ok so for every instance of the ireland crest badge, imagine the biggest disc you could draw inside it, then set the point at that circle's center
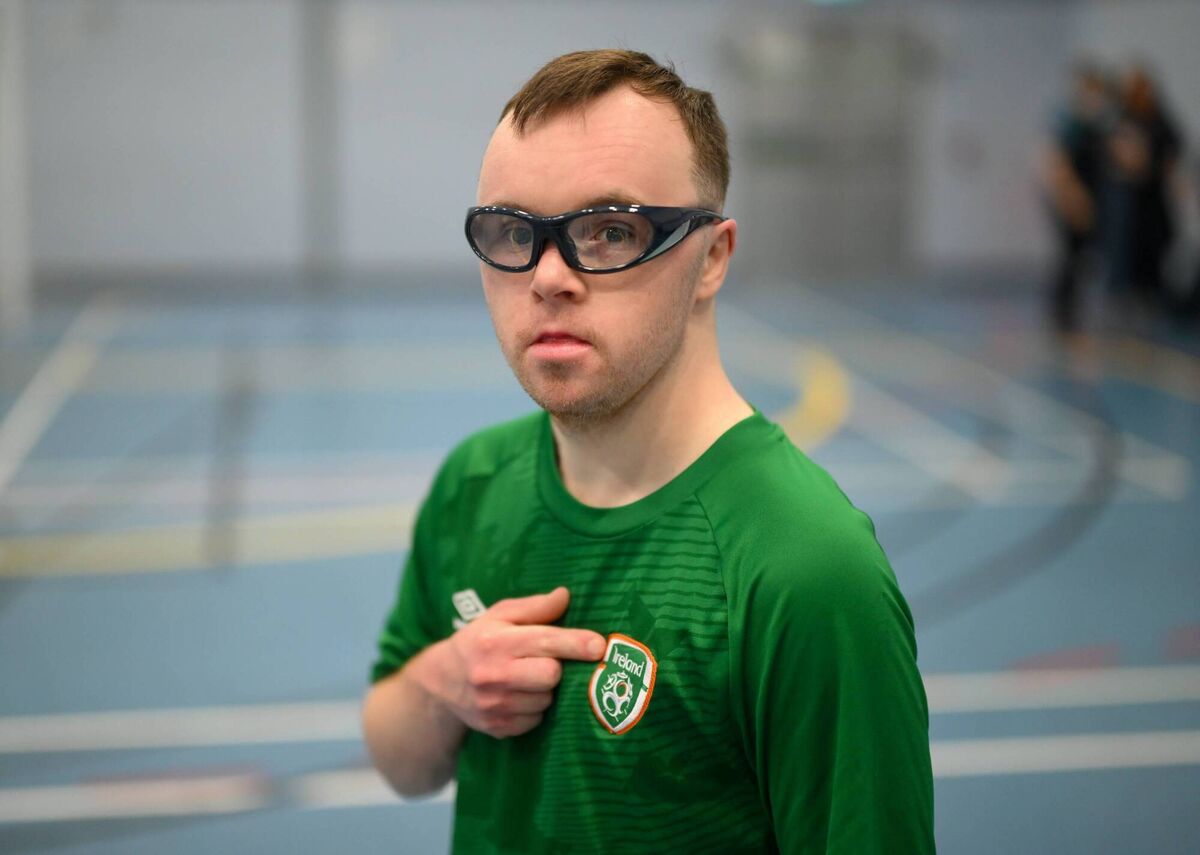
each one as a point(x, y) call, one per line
point(622, 684)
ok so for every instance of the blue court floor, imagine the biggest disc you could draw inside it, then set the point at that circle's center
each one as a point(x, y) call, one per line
point(205, 498)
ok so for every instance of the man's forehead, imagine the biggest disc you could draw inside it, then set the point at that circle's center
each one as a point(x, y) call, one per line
point(620, 148)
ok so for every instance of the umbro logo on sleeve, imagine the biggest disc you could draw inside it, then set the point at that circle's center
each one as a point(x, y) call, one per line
point(468, 605)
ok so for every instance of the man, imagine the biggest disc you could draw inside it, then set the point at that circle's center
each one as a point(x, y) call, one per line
point(1147, 185)
point(692, 641)
point(1072, 172)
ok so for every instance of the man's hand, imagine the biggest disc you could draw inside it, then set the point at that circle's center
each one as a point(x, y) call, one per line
point(498, 673)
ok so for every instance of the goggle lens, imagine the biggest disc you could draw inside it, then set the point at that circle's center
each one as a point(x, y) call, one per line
point(505, 240)
point(600, 241)
point(609, 239)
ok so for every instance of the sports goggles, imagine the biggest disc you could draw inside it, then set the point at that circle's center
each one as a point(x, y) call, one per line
point(595, 240)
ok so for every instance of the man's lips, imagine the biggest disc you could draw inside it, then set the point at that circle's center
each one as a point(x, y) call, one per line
point(556, 337)
point(558, 344)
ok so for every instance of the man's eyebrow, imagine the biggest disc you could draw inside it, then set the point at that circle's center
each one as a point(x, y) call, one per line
point(617, 198)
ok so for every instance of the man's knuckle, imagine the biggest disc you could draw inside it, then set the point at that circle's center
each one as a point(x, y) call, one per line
point(491, 703)
point(481, 674)
point(485, 642)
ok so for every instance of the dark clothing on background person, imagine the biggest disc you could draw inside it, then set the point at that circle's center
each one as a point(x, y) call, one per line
point(1140, 225)
point(1080, 139)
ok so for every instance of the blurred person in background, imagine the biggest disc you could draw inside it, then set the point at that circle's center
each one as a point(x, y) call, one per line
point(1073, 173)
point(1143, 155)
point(1185, 265)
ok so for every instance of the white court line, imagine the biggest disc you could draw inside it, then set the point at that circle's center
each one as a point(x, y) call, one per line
point(1022, 483)
point(331, 721)
point(125, 799)
point(905, 354)
point(888, 420)
point(364, 787)
point(324, 490)
point(279, 462)
point(334, 721)
point(63, 372)
point(1061, 688)
point(889, 348)
point(463, 365)
point(354, 788)
point(192, 796)
point(1072, 753)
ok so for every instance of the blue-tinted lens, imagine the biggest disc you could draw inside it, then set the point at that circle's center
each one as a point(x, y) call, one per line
point(609, 238)
point(502, 239)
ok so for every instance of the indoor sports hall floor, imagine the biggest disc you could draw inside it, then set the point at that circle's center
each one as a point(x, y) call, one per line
point(205, 496)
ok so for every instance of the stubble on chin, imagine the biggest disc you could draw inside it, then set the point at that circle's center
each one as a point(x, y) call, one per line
point(585, 399)
point(560, 390)
point(582, 400)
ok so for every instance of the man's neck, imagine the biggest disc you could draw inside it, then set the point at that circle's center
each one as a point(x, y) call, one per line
point(646, 444)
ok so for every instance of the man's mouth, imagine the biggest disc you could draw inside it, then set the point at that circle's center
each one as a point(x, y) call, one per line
point(558, 344)
point(559, 338)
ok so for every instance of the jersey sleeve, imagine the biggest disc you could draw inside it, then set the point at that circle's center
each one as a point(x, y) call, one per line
point(834, 714)
point(409, 626)
point(421, 615)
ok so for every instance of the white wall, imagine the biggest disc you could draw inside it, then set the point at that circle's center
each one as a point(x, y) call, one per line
point(163, 132)
point(996, 70)
point(424, 87)
point(16, 272)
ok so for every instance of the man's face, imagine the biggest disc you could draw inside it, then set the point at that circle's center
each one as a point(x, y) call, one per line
point(584, 345)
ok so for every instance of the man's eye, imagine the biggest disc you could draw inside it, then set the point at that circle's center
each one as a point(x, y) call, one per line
point(616, 234)
point(519, 236)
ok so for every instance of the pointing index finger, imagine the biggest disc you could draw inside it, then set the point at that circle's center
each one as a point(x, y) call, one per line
point(562, 643)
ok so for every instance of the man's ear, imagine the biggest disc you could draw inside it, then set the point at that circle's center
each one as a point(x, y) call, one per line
point(716, 263)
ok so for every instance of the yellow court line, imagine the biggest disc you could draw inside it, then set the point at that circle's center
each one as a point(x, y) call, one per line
point(259, 540)
point(889, 421)
point(824, 399)
point(822, 408)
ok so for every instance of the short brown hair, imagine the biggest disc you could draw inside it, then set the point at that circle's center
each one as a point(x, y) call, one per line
point(574, 79)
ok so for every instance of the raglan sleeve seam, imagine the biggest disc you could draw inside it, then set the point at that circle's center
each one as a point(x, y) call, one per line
point(732, 694)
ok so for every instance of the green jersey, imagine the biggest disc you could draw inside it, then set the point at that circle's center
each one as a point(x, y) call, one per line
point(759, 692)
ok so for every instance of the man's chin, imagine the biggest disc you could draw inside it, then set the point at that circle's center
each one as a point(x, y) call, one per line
point(569, 404)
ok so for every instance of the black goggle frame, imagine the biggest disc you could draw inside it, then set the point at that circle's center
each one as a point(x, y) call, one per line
point(671, 226)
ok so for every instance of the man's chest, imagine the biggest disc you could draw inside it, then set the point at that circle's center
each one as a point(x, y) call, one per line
point(650, 728)
point(657, 595)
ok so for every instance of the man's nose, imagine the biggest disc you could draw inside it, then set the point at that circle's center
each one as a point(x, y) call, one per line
point(552, 278)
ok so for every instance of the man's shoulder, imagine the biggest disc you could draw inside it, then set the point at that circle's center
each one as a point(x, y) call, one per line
point(770, 481)
point(780, 518)
point(489, 451)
